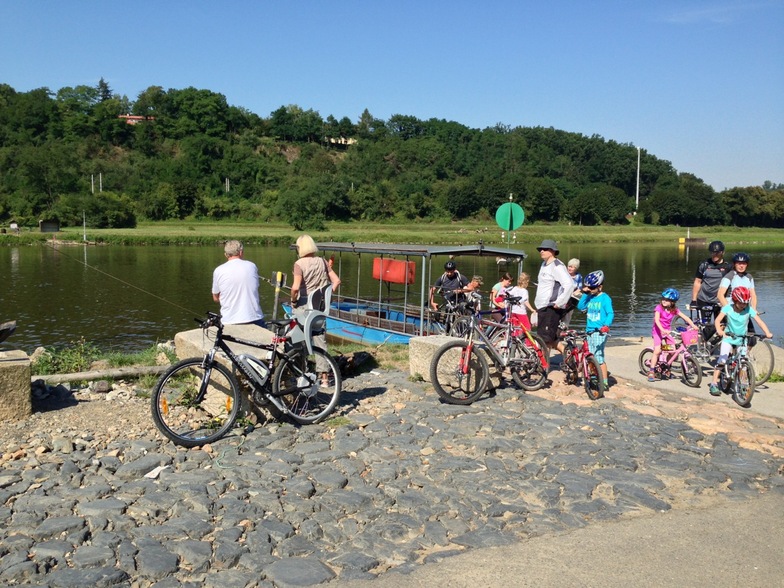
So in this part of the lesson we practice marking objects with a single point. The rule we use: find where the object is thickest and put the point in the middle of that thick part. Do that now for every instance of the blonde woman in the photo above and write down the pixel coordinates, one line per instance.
(310, 274)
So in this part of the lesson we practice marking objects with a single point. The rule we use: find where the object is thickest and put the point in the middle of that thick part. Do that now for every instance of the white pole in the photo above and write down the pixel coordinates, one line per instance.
(100, 182)
(84, 226)
(637, 196)
(92, 183)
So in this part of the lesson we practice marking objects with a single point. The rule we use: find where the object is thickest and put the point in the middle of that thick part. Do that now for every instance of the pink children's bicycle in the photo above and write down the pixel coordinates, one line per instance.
(674, 359)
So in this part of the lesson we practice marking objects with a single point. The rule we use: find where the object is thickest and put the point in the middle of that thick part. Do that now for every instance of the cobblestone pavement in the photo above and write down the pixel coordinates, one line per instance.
(397, 479)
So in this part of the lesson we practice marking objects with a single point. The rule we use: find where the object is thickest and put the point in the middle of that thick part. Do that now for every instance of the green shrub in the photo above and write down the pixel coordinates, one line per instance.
(76, 357)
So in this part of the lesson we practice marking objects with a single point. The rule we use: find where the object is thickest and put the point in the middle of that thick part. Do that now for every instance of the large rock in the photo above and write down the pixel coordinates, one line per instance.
(15, 392)
(196, 343)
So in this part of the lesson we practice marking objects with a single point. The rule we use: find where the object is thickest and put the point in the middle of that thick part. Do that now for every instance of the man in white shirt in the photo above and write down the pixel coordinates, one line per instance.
(553, 291)
(235, 286)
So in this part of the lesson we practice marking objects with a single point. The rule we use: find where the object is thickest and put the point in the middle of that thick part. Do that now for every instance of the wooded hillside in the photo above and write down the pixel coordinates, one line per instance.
(189, 154)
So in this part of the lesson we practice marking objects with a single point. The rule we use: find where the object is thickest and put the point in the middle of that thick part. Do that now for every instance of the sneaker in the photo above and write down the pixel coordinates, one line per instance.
(651, 377)
(714, 390)
(606, 384)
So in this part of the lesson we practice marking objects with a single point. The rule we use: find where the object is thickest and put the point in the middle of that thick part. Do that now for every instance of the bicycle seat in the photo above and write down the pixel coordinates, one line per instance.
(279, 325)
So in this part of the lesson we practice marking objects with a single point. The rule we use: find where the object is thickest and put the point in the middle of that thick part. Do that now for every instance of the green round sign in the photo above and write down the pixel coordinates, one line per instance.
(510, 216)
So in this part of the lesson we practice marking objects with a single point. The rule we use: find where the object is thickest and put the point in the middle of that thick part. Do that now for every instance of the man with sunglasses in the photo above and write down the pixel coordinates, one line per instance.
(553, 291)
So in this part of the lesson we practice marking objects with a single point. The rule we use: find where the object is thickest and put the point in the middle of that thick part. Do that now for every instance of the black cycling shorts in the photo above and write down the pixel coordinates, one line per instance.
(549, 318)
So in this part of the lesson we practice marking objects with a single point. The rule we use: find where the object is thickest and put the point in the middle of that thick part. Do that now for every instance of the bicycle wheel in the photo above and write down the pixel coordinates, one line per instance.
(527, 370)
(644, 361)
(193, 404)
(592, 378)
(691, 372)
(761, 357)
(458, 374)
(569, 366)
(743, 384)
(460, 327)
(308, 384)
(725, 382)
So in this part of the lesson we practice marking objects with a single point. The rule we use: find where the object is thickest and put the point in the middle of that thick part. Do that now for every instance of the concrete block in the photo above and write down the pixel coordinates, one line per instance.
(195, 343)
(15, 395)
(420, 353)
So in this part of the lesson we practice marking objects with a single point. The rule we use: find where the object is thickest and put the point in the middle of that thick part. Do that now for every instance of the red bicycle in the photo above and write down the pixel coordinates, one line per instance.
(578, 362)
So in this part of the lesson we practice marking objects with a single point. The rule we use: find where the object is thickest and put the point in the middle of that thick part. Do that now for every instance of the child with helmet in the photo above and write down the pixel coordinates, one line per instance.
(599, 316)
(738, 276)
(738, 315)
(663, 316)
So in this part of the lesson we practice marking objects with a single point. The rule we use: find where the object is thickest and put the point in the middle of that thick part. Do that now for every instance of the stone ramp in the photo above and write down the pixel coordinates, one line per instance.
(622, 355)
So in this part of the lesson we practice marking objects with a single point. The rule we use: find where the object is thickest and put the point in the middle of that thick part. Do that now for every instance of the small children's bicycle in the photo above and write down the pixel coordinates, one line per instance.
(737, 374)
(578, 361)
(674, 358)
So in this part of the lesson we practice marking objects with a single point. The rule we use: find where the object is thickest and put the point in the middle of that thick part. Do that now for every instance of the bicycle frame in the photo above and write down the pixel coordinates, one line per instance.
(702, 317)
(577, 358)
(579, 352)
(501, 359)
(731, 376)
(260, 382)
(670, 356)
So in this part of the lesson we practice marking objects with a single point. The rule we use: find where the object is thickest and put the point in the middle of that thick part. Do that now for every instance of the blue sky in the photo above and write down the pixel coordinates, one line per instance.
(696, 82)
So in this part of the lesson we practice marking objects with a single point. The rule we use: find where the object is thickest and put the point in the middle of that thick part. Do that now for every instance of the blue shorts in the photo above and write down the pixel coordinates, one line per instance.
(596, 343)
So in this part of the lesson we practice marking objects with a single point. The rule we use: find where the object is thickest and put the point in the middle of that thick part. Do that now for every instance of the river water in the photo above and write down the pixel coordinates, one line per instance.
(127, 298)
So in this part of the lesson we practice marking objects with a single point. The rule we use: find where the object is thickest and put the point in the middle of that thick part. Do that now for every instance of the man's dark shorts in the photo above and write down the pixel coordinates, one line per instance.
(547, 328)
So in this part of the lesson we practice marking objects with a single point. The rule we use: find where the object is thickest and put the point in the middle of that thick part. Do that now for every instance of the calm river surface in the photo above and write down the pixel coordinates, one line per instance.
(128, 298)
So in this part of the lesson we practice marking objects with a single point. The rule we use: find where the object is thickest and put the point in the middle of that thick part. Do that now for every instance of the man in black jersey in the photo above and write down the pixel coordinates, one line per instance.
(707, 279)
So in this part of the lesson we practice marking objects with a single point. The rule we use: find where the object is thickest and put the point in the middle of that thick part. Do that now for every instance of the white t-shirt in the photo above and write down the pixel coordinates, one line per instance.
(237, 282)
(523, 294)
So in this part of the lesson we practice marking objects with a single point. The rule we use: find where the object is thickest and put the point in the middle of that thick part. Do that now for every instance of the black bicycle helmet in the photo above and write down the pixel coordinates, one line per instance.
(716, 246)
(594, 279)
(741, 258)
(450, 266)
(671, 294)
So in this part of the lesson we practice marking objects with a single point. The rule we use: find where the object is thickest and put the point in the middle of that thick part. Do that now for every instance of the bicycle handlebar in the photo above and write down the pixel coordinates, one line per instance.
(746, 335)
(575, 333)
(213, 320)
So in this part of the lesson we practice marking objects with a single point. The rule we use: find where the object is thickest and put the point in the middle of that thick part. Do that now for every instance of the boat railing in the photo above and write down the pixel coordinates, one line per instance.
(401, 317)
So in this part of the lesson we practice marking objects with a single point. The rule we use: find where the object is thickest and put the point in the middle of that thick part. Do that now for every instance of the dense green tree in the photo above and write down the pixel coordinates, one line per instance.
(295, 165)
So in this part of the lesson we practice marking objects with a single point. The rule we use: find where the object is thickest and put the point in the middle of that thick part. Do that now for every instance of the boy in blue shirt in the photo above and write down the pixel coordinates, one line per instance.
(738, 315)
(599, 316)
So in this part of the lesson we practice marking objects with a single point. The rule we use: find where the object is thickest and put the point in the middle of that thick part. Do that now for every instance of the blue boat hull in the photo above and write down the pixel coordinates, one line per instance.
(361, 333)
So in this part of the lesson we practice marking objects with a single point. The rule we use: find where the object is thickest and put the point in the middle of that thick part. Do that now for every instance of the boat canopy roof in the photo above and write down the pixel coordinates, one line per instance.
(426, 251)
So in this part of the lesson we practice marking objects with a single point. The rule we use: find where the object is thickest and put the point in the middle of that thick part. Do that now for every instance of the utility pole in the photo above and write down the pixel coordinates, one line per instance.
(637, 195)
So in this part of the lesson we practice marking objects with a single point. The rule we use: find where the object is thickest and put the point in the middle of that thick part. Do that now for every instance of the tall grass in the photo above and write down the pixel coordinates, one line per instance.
(464, 232)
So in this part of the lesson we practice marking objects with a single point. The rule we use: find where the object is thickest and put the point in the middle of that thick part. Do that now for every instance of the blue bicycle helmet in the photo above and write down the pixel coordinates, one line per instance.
(450, 265)
(594, 279)
(741, 258)
(671, 294)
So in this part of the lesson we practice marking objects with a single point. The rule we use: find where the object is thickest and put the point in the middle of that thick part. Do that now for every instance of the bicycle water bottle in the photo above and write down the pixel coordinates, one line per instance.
(257, 369)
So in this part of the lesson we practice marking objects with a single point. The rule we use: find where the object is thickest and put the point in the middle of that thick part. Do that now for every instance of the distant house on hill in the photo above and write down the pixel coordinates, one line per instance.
(133, 119)
(343, 141)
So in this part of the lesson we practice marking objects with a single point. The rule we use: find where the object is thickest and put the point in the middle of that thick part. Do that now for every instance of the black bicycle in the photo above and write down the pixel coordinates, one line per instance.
(198, 400)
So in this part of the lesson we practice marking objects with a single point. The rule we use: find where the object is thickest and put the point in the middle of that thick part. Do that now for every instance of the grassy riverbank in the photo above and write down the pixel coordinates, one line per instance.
(207, 233)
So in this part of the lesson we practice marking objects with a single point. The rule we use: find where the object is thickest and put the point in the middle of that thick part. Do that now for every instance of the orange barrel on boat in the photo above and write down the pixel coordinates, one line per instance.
(394, 270)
